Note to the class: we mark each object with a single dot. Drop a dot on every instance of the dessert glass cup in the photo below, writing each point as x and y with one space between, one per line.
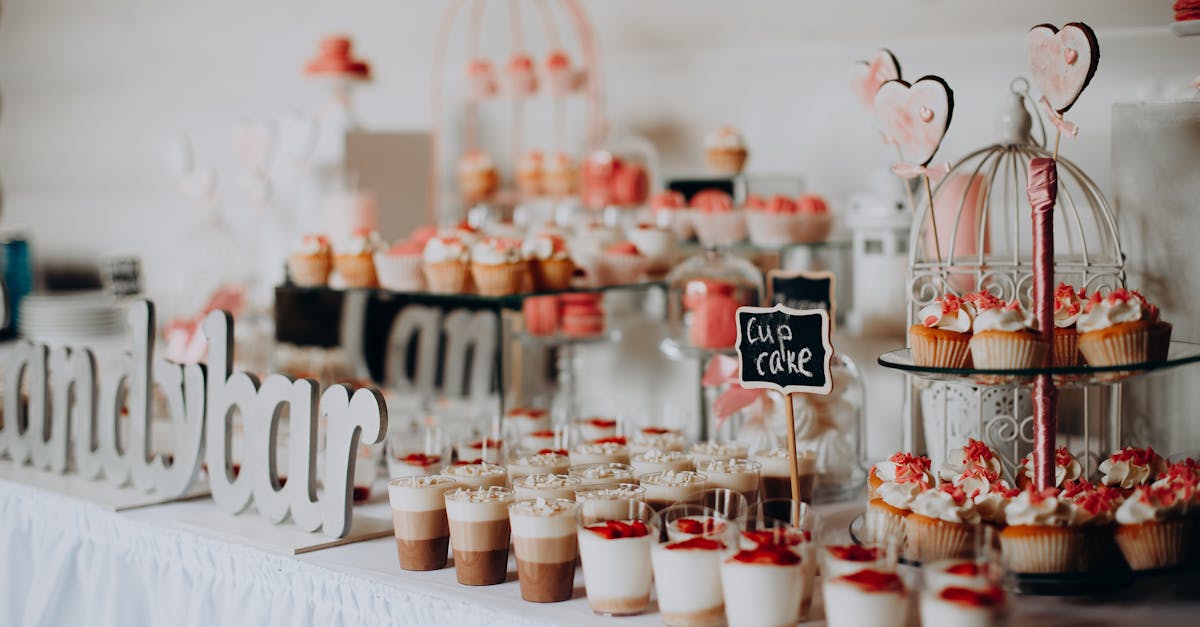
728 503
546 486
522 421
764 593
489 449
587 454
480 534
602 475
555 438
655 460
777 474
664 489
864 597
617 570
596 428
687 567
419 520
483 475
546 546
799 519
739 475
418 452
703 452
523 464
965 591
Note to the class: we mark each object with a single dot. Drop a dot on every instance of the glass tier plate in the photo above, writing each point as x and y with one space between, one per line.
558 339
510 301
1178 354
680 350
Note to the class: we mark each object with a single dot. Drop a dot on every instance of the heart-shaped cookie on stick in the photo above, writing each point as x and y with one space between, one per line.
867 76
915 117
1062 62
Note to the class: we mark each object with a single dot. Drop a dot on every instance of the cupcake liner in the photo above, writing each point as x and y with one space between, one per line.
1007 350
551 274
772 229
883 521
1044 549
499 280
309 270
400 272
447 277
620 269
1066 348
356 270
559 183
1160 341
1129 344
1154 544
929 539
727 161
478 184
940 349
719 228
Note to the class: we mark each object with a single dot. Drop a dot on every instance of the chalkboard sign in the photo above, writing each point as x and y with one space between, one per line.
802 290
784 349
123 275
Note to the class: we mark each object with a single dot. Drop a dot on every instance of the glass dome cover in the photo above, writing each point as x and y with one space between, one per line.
703 293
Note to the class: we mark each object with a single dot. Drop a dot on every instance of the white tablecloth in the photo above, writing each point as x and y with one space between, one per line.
67 562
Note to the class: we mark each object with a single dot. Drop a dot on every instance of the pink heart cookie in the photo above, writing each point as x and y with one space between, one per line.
915 116
1062 62
867 76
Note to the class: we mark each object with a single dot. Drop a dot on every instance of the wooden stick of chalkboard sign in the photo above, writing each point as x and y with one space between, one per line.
789 351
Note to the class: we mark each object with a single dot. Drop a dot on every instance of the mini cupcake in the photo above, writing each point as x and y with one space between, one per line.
447 264
1121 328
1095 510
560 175
725 151
657 244
622 263
891 504
941 525
400 267
1043 534
550 263
988 491
717 223
530 173
669 209
1068 306
477 176
941 338
520 80
354 259
901 467
973 454
1153 530
1066 468
1005 338
311 264
498 267
775 223
1131 467
815 221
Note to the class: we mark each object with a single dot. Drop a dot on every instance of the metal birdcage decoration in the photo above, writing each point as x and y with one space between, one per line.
984 242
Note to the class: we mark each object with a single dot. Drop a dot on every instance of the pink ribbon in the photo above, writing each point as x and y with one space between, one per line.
1056 118
723 370
911 170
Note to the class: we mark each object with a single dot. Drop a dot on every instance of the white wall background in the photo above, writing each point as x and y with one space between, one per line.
92 90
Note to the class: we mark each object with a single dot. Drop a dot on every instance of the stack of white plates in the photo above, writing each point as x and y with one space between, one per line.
54 318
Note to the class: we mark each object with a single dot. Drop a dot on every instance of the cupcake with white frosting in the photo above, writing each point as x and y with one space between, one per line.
447 264
1153 529
902 467
311 263
1066 468
725 150
942 333
973 454
888 508
498 266
550 262
1068 306
354 258
988 490
1131 467
1004 337
941 525
1044 533
1122 328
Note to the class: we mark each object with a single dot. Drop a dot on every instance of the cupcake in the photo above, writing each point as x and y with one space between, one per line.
447 264
942 335
973 454
559 176
498 267
775 223
530 173
988 491
657 244
941 525
550 263
354 259
888 508
622 263
1095 510
725 151
1068 306
716 222
399 268
1066 468
311 264
815 220
1043 534
1004 338
902 467
1153 530
1131 467
1121 328
477 176
669 209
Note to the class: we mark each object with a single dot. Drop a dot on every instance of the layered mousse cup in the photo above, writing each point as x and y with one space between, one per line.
657 438
419 520
614 547
655 460
479 531
777 477
547 486
477 474
544 538
602 475
708 451
543 462
664 489
739 475
687 565
603 451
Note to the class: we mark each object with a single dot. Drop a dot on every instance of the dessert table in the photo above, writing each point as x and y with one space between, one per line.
69 562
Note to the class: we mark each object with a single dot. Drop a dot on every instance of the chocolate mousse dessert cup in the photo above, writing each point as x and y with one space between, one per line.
777 473
419 520
479 533
546 486
739 475
664 489
546 546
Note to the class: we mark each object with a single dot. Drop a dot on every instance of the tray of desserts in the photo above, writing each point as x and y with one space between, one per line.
981 340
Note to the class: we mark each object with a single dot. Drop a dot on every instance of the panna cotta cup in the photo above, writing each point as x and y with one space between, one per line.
764 585
708 451
616 497
552 439
612 450
964 573
739 475
520 421
964 606
477 474
687 558
802 535
545 541
655 460
664 489
866 597
657 438
728 503
602 475
419 520
615 536
543 462
777 473
480 534
547 486
417 453
596 428
490 450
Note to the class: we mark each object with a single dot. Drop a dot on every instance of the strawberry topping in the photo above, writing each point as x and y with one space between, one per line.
977 451
1135 456
655 430
853 552
1073 488
965 569
696 544
705 526
486 443
958 494
774 554
601 423
421 459
468 462
988 597
1096 502
874 581
542 434
616 439
790 537
553 451
618 529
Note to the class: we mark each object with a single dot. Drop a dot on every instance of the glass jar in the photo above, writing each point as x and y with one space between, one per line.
704 292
